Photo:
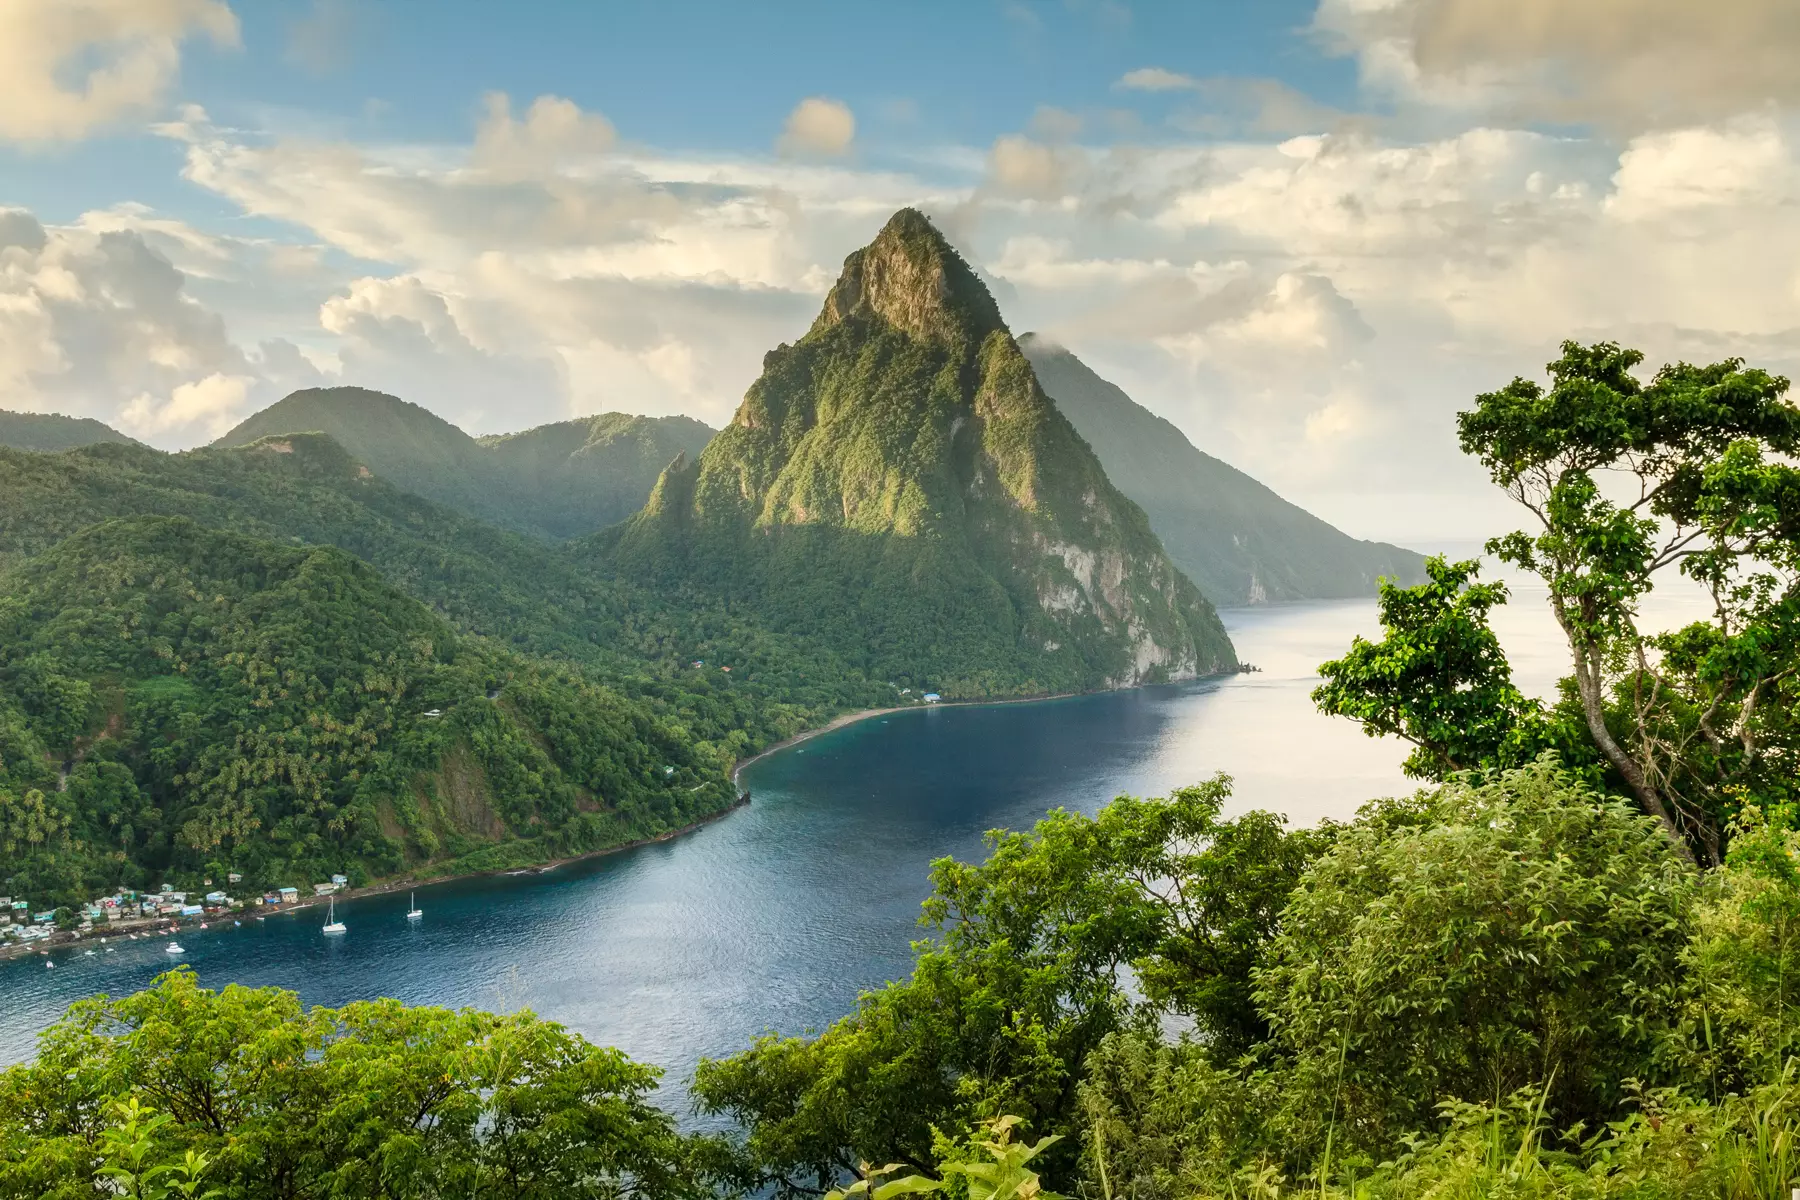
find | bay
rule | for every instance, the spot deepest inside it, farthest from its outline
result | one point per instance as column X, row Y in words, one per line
column 778, row 915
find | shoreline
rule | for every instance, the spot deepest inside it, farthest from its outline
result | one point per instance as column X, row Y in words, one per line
column 852, row 718
column 160, row 925
column 151, row 928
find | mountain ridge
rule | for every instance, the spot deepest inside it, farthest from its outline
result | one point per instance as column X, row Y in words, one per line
column 1236, row 538
column 52, row 433
column 553, row 481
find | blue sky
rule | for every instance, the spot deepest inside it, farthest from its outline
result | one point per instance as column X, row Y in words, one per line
column 707, row 76
column 1304, row 230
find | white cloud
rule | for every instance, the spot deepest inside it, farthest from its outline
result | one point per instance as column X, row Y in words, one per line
column 97, row 322
column 1633, row 64
column 68, row 67
column 554, row 130
column 1157, row 79
column 818, row 125
column 208, row 407
column 1020, row 166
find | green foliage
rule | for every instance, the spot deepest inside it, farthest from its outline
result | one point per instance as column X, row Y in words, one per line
column 1439, row 679
column 267, row 706
column 51, row 432
column 1685, row 718
column 1529, row 931
column 555, row 481
column 1745, row 956
column 243, row 1093
column 1023, row 982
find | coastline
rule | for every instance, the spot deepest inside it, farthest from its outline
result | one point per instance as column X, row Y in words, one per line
column 839, row 722
column 154, row 927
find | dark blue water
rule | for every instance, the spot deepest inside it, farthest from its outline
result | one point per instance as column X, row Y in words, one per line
column 776, row 916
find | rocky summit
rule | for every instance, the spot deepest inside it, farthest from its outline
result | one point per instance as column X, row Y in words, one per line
column 898, row 485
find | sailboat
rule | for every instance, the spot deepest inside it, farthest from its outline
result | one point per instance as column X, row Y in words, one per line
column 414, row 913
column 332, row 924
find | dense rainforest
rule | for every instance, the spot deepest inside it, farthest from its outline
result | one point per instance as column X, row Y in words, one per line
column 129, row 577
column 1568, row 966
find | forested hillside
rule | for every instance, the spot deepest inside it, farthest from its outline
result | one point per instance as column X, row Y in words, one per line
column 1238, row 540
column 180, row 700
column 555, row 481
column 511, row 606
column 898, row 488
column 51, row 432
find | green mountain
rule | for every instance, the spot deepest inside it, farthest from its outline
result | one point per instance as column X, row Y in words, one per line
column 586, row 474
column 179, row 698
column 51, row 432
column 898, row 488
column 556, row 481
column 1234, row 537
column 304, row 489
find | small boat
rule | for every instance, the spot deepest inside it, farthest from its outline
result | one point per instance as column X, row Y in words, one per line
column 87, row 954
column 48, row 965
column 174, row 948
column 109, row 949
column 414, row 913
column 332, row 924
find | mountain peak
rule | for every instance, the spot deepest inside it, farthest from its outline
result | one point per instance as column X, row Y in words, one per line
column 912, row 277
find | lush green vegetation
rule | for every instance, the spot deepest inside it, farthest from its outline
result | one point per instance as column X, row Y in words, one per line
column 586, row 658
column 896, row 487
column 554, row 481
column 1236, row 539
column 178, row 1091
column 53, row 431
column 180, row 702
column 1569, row 967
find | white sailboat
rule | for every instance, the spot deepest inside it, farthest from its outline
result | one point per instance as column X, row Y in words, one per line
column 414, row 912
column 332, row 924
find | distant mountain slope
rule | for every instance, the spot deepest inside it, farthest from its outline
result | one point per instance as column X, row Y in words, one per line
column 216, row 701
column 897, row 487
column 1239, row 541
column 52, row 432
column 585, row 474
column 555, row 481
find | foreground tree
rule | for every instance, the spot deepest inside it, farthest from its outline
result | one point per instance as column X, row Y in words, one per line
column 244, row 1090
column 1027, row 975
column 1622, row 480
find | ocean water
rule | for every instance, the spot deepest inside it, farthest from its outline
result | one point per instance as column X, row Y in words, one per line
column 778, row 915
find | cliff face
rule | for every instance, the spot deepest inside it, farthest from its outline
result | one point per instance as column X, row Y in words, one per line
column 898, row 484
column 1235, row 538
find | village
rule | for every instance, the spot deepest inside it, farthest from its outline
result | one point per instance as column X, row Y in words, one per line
column 130, row 913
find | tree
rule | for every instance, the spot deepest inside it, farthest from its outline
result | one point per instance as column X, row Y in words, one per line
column 245, row 1089
column 1439, row 678
column 1026, row 977
column 1526, row 932
column 1681, row 717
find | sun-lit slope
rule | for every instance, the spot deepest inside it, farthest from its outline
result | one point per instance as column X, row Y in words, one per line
column 898, row 487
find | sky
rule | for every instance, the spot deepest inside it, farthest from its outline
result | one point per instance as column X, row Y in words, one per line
column 1306, row 231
